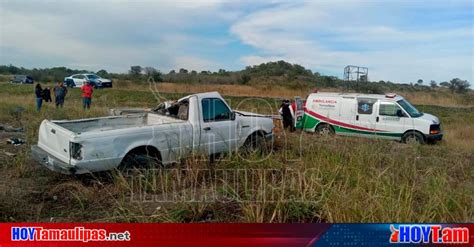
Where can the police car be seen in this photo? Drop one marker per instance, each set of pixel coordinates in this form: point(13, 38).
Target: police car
point(369, 115)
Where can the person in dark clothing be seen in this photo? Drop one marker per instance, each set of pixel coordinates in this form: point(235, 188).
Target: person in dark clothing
point(47, 95)
point(60, 92)
point(286, 115)
point(39, 97)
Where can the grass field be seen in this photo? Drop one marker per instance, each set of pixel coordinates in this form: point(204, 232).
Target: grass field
point(439, 96)
point(306, 179)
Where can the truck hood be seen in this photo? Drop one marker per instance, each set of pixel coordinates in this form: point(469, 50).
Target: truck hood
point(255, 121)
point(431, 118)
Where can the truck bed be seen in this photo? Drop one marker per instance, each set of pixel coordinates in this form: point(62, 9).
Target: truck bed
point(115, 122)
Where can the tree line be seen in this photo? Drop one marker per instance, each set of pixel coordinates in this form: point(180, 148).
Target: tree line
point(273, 73)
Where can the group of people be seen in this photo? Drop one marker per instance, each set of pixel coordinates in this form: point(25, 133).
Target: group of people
point(60, 91)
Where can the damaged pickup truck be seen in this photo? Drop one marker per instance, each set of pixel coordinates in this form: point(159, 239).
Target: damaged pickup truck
point(196, 124)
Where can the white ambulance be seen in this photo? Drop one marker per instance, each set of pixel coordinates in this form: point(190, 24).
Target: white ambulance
point(369, 115)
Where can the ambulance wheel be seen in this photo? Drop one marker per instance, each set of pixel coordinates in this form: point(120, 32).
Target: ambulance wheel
point(324, 130)
point(413, 137)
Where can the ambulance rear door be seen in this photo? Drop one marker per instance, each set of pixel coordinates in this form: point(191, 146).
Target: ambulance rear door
point(299, 112)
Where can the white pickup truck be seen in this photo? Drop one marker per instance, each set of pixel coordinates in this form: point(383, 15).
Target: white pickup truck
point(200, 123)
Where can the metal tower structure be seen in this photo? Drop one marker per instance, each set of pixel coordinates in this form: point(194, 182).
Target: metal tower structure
point(356, 73)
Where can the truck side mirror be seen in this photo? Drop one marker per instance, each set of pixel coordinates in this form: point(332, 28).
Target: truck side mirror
point(232, 116)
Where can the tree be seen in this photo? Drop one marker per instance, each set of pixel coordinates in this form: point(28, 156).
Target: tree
point(102, 73)
point(245, 79)
point(149, 71)
point(458, 85)
point(135, 70)
point(433, 84)
point(463, 86)
point(172, 72)
point(444, 84)
point(327, 81)
point(153, 74)
point(157, 76)
point(183, 71)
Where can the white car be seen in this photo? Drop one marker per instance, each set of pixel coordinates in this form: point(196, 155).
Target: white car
point(200, 123)
point(78, 80)
point(369, 115)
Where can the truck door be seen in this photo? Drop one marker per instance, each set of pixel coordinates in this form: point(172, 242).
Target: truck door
point(218, 128)
point(390, 121)
point(366, 114)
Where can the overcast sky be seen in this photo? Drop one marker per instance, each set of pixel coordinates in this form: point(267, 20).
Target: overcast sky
point(400, 41)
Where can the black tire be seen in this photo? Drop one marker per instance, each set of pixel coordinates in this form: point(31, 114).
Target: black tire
point(140, 160)
point(254, 144)
point(412, 137)
point(324, 130)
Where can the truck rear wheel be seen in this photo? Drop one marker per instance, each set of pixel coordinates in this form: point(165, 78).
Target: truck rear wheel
point(141, 158)
point(413, 137)
point(324, 130)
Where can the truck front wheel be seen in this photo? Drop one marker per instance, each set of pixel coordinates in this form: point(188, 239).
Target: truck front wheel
point(255, 143)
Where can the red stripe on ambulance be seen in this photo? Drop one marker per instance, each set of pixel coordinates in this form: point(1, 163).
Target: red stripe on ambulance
point(321, 117)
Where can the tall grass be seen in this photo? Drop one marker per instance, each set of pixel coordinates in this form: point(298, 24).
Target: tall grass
point(434, 97)
point(306, 179)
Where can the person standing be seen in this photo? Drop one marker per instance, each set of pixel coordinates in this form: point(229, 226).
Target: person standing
point(87, 91)
point(39, 97)
point(47, 95)
point(60, 92)
point(287, 117)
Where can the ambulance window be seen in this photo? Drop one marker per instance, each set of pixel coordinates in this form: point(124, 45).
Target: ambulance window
point(365, 106)
point(388, 109)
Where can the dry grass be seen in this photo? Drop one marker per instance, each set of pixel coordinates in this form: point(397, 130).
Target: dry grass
point(349, 179)
point(438, 97)
point(461, 135)
point(441, 98)
point(224, 89)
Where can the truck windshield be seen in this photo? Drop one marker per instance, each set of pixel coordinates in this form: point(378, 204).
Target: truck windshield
point(409, 108)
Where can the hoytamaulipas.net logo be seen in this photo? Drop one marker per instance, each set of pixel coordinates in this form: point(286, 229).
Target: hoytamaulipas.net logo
point(434, 234)
point(72, 234)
